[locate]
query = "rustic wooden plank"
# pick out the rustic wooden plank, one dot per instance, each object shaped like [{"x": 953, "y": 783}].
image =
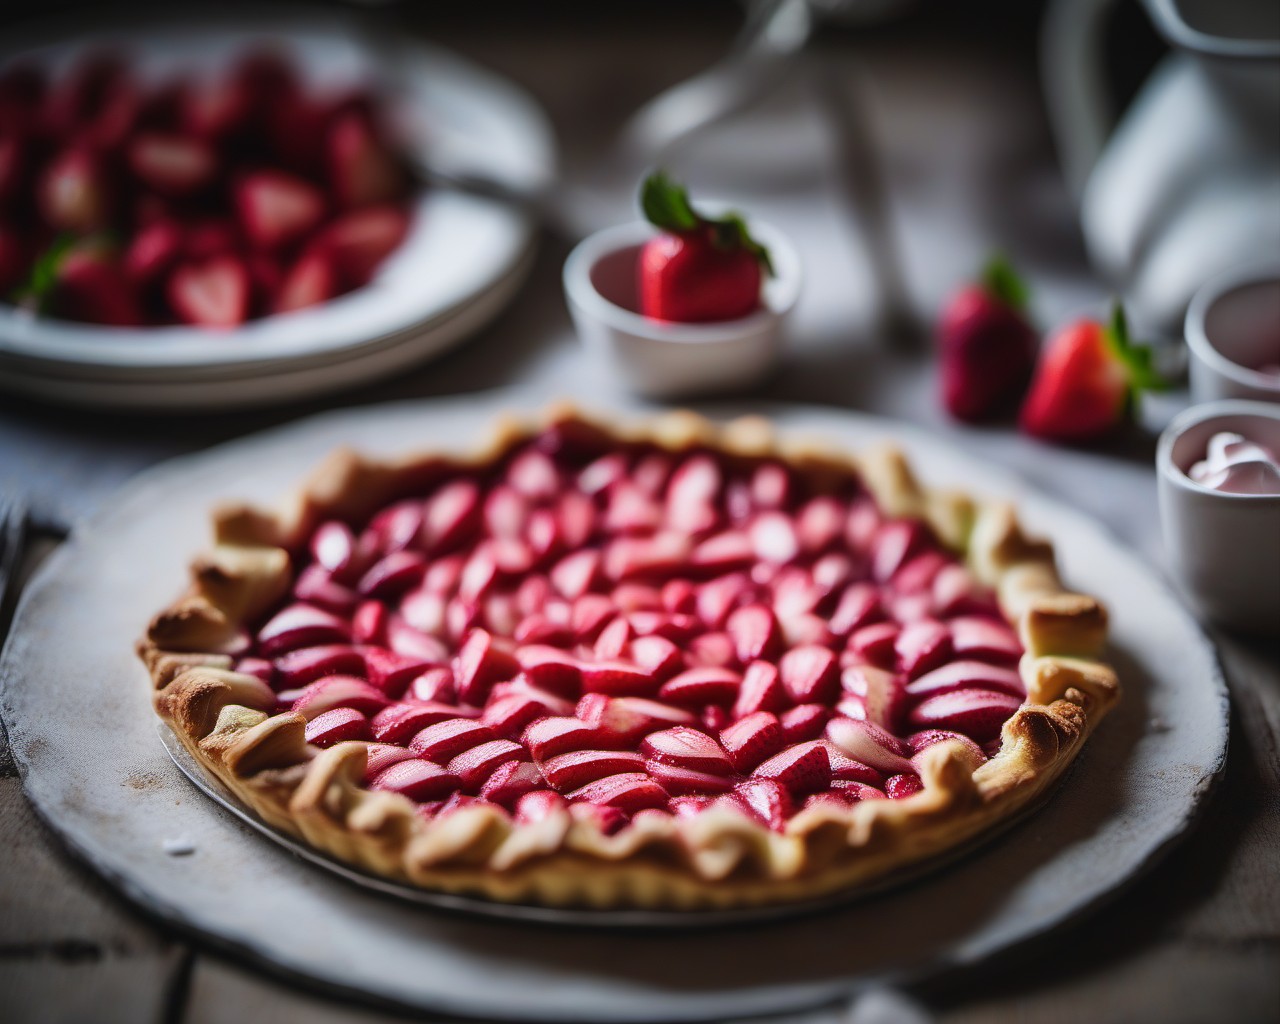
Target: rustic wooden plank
[{"x": 225, "y": 993}]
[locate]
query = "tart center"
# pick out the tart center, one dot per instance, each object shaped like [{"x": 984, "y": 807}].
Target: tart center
[{"x": 632, "y": 631}]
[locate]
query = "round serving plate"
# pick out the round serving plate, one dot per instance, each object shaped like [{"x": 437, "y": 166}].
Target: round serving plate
[
  {"x": 84, "y": 736},
  {"x": 459, "y": 248}
]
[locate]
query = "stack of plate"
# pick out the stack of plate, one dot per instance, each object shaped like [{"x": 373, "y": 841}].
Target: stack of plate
[{"x": 461, "y": 263}]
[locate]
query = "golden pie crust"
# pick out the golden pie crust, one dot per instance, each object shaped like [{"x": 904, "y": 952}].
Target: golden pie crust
[{"x": 717, "y": 859}]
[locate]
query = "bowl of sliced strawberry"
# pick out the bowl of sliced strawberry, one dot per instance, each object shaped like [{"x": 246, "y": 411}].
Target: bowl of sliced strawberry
[{"x": 229, "y": 200}]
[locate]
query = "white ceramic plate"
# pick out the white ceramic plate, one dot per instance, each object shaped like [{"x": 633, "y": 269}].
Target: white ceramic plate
[
  {"x": 458, "y": 249},
  {"x": 84, "y": 738}
]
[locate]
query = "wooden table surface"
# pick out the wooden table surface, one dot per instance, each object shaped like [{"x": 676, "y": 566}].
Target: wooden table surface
[{"x": 1195, "y": 939}]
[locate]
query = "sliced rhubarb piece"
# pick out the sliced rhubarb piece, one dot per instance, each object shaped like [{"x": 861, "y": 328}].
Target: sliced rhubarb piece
[
  {"x": 418, "y": 780},
  {"x": 618, "y": 679},
  {"x": 304, "y": 665},
  {"x": 752, "y": 739},
  {"x": 392, "y": 672},
  {"x": 706, "y": 684},
  {"x": 474, "y": 766},
  {"x": 316, "y": 586},
  {"x": 755, "y": 633},
  {"x": 656, "y": 655},
  {"x": 899, "y": 787},
  {"x": 381, "y": 756},
  {"x": 578, "y": 767},
  {"x": 966, "y": 675},
  {"x": 508, "y": 716},
  {"x": 917, "y": 575},
  {"x": 810, "y": 674},
  {"x": 309, "y": 281},
  {"x": 359, "y": 241},
  {"x": 875, "y": 644},
  {"x": 881, "y": 695},
  {"x": 681, "y": 781},
  {"x": 893, "y": 544},
  {"x": 339, "y": 691},
  {"x": 393, "y": 574},
  {"x": 922, "y": 646},
  {"x": 761, "y": 690},
  {"x": 804, "y": 768},
  {"x": 549, "y": 737},
  {"x": 435, "y": 684},
  {"x": 576, "y": 573},
  {"x": 918, "y": 742},
  {"x": 631, "y": 510},
  {"x": 449, "y": 738},
  {"x": 621, "y": 721},
  {"x": 718, "y": 597},
  {"x": 533, "y": 474},
  {"x": 803, "y": 722},
  {"x": 859, "y": 606},
  {"x": 979, "y": 714},
  {"x": 172, "y": 165},
  {"x": 479, "y": 664},
  {"x": 337, "y": 725},
  {"x": 773, "y": 537},
  {"x": 768, "y": 799},
  {"x": 627, "y": 792},
  {"x": 687, "y": 748},
  {"x": 846, "y": 768},
  {"x": 868, "y": 743},
  {"x": 612, "y": 640},
  {"x": 511, "y": 781},
  {"x": 362, "y": 168},
  {"x": 398, "y": 723},
  {"x": 691, "y": 495},
  {"x": 300, "y": 625},
  {"x": 404, "y": 639},
  {"x": 723, "y": 552},
  {"x": 451, "y": 516},
  {"x": 974, "y": 636},
  {"x": 73, "y": 192},
  {"x": 819, "y": 523}
]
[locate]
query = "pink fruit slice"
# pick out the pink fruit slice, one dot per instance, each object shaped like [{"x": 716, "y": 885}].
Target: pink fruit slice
[
  {"x": 511, "y": 781},
  {"x": 435, "y": 684},
  {"x": 718, "y": 597},
  {"x": 700, "y": 686},
  {"x": 868, "y": 743},
  {"x": 508, "y": 716},
  {"x": 479, "y": 664},
  {"x": 450, "y": 738},
  {"x": 393, "y": 574},
  {"x": 620, "y": 721},
  {"x": 761, "y": 690},
  {"x": 474, "y": 766},
  {"x": 578, "y": 767},
  {"x": 337, "y": 725},
  {"x": 804, "y": 768},
  {"x": 973, "y": 636},
  {"x": 810, "y": 674},
  {"x": 627, "y": 792},
  {"x": 846, "y": 768},
  {"x": 691, "y": 494},
  {"x": 549, "y": 737},
  {"x": 550, "y": 668},
  {"x": 575, "y": 574},
  {"x": 657, "y": 655},
  {"x": 922, "y": 646},
  {"x": 687, "y": 748},
  {"x": 725, "y": 551},
  {"x": 450, "y": 516},
  {"x": 768, "y": 799},
  {"x": 773, "y": 538},
  {"x": 819, "y": 523},
  {"x": 410, "y": 643},
  {"x": 881, "y": 695},
  {"x": 752, "y": 739},
  {"x": 339, "y": 691},
  {"x": 397, "y": 723},
  {"x": 316, "y": 586},
  {"x": 898, "y": 787},
  {"x": 618, "y": 679},
  {"x": 683, "y": 781},
  {"x": 978, "y": 714},
  {"x": 803, "y": 722},
  {"x": 300, "y": 625},
  {"x": 754, "y": 631},
  {"x": 875, "y": 644},
  {"x": 534, "y": 475},
  {"x": 918, "y": 742},
  {"x": 964, "y": 675},
  {"x": 381, "y": 756},
  {"x": 276, "y": 209},
  {"x": 418, "y": 780},
  {"x": 307, "y": 664},
  {"x": 893, "y": 544}
]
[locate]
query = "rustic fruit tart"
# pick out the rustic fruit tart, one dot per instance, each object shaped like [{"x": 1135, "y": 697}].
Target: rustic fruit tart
[{"x": 668, "y": 665}]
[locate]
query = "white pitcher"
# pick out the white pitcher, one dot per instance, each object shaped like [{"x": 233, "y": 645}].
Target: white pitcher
[{"x": 1187, "y": 184}]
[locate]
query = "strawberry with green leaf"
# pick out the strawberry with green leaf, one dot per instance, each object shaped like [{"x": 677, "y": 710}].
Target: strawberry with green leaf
[
  {"x": 1087, "y": 381},
  {"x": 986, "y": 345},
  {"x": 701, "y": 268}
]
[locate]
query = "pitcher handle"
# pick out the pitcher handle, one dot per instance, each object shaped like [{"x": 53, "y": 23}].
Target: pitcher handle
[{"x": 1074, "y": 87}]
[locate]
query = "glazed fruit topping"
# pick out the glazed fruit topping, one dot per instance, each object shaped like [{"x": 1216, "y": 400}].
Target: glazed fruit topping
[{"x": 623, "y": 629}]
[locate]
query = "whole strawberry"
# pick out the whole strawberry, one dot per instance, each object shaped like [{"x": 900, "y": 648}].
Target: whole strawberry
[
  {"x": 700, "y": 269},
  {"x": 986, "y": 346},
  {"x": 1087, "y": 381}
]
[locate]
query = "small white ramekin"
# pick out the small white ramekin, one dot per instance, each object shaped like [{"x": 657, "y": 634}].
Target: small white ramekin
[
  {"x": 1223, "y": 549},
  {"x": 659, "y": 359},
  {"x": 1232, "y": 324}
]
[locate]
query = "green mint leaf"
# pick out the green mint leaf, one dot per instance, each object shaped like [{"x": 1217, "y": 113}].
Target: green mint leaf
[
  {"x": 666, "y": 204},
  {"x": 1138, "y": 360},
  {"x": 44, "y": 274},
  {"x": 731, "y": 232},
  {"x": 1002, "y": 281}
]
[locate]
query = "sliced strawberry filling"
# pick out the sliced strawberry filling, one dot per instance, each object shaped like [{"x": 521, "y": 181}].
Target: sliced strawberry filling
[{"x": 631, "y": 630}]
